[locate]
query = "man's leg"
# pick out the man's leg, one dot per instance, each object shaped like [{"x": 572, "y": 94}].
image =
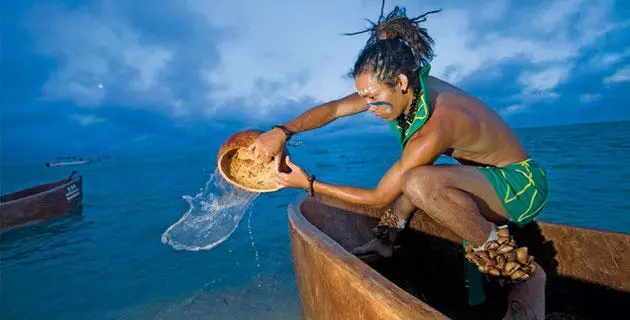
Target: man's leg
[
  {"x": 461, "y": 199},
  {"x": 527, "y": 300},
  {"x": 458, "y": 197},
  {"x": 402, "y": 208}
]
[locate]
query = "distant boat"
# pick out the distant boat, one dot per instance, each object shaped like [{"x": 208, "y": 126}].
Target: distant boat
[
  {"x": 67, "y": 163},
  {"x": 588, "y": 271},
  {"x": 41, "y": 202}
]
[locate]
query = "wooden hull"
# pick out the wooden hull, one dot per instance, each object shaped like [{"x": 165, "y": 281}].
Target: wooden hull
[
  {"x": 588, "y": 271},
  {"x": 41, "y": 202}
]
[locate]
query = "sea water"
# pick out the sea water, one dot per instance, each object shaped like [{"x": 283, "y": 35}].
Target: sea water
[{"x": 213, "y": 215}]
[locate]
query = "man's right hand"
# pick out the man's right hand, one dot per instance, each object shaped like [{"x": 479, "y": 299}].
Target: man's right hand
[{"x": 268, "y": 145}]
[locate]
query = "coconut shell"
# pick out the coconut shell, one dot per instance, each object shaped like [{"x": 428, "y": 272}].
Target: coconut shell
[
  {"x": 532, "y": 268},
  {"x": 521, "y": 255},
  {"x": 238, "y": 167},
  {"x": 485, "y": 257},
  {"x": 519, "y": 275},
  {"x": 495, "y": 272},
  {"x": 501, "y": 261},
  {"x": 491, "y": 245},
  {"x": 510, "y": 256},
  {"x": 511, "y": 267},
  {"x": 502, "y": 258},
  {"x": 504, "y": 248},
  {"x": 503, "y": 231}
]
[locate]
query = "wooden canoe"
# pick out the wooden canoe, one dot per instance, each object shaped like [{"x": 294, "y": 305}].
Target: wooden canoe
[
  {"x": 588, "y": 271},
  {"x": 41, "y": 202}
]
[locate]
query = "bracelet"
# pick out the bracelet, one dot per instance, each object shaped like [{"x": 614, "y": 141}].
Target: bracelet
[
  {"x": 284, "y": 129},
  {"x": 310, "y": 190}
]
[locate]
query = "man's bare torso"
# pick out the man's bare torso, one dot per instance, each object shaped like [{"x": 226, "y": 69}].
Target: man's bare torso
[{"x": 479, "y": 136}]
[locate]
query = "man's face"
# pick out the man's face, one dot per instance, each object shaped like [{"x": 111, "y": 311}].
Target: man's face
[{"x": 384, "y": 102}]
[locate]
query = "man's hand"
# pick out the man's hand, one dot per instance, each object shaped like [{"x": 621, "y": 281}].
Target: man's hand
[
  {"x": 297, "y": 178},
  {"x": 381, "y": 111},
  {"x": 268, "y": 145}
]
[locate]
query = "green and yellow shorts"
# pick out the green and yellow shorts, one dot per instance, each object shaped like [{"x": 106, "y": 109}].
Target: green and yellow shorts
[{"x": 521, "y": 187}]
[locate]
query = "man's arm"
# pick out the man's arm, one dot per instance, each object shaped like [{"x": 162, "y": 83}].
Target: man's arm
[
  {"x": 269, "y": 144},
  {"x": 325, "y": 113},
  {"x": 421, "y": 150}
]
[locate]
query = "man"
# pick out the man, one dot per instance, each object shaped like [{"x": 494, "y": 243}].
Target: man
[{"x": 496, "y": 179}]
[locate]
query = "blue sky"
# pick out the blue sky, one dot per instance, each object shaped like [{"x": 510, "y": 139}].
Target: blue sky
[{"x": 117, "y": 77}]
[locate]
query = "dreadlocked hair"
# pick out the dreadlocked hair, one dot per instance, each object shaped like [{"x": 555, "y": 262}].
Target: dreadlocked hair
[
  {"x": 397, "y": 25},
  {"x": 385, "y": 60}
]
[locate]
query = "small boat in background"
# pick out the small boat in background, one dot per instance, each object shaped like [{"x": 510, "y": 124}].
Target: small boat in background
[
  {"x": 68, "y": 161},
  {"x": 588, "y": 271},
  {"x": 41, "y": 202}
]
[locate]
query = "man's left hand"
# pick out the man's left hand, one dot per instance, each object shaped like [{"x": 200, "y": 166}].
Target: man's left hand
[{"x": 297, "y": 178}]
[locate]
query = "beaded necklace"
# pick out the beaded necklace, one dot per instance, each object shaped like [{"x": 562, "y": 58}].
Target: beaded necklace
[{"x": 405, "y": 120}]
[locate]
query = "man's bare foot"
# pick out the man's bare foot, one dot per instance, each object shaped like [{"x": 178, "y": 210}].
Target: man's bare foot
[
  {"x": 375, "y": 245},
  {"x": 526, "y": 300}
]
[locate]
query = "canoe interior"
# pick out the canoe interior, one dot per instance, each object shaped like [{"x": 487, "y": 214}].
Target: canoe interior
[{"x": 430, "y": 264}]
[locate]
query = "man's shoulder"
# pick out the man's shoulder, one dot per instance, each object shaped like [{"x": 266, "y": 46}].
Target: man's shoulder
[
  {"x": 434, "y": 132},
  {"x": 444, "y": 92},
  {"x": 453, "y": 106},
  {"x": 424, "y": 147}
]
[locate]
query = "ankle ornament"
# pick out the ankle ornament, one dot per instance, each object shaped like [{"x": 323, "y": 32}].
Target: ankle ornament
[
  {"x": 502, "y": 258},
  {"x": 388, "y": 225}
]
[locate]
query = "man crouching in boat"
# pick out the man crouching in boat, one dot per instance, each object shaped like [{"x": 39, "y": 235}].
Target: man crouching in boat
[{"x": 496, "y": 179}]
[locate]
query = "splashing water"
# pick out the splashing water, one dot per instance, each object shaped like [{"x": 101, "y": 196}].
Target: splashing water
[
  {"x": 251, "y": 237},
  {"x": 213, "y": 216}
]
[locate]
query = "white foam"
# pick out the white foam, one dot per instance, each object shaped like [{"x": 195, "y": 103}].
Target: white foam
[{"x": 213, "y": 215}]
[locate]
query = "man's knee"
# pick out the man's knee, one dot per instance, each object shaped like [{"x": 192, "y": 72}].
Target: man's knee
[{"x": 421, "y": 184}]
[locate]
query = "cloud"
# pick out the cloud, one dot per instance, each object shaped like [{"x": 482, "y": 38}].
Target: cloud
[
  {"x": 104, "y": 57},
  {"x": 621, "y": 75},
  {"x": 187, "y": 70},
  {"x": 87, "y": 120},
  {"x": 271, "y": 62},
  {"x": 590, "y": 97},
  {"x": 513, "y": 109},
  {"x": 245, "y": 59},
  {"x": 280, "y": 53},
  {"x": 556, "y": 14},
  {"x": 99, "y": 54},
  {"x": 543, "y": 80},
  {"x": 609, "y": 59},
  {"x": 493, "y": 10}
]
